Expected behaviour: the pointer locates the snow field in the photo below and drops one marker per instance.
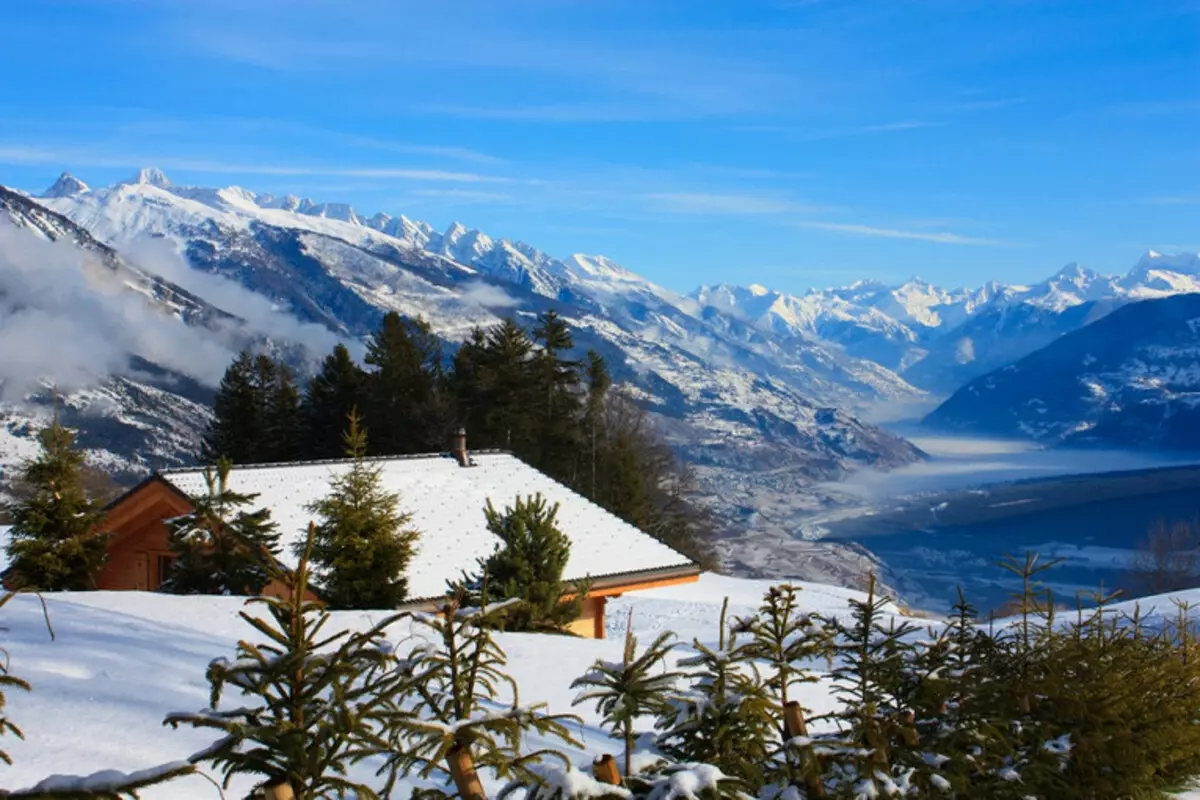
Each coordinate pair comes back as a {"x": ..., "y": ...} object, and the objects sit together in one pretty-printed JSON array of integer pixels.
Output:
[{"x": 122, "y": 660}]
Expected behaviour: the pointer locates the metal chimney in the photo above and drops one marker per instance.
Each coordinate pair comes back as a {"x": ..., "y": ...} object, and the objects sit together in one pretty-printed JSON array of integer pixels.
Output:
[{"x": 458, "y": 447}]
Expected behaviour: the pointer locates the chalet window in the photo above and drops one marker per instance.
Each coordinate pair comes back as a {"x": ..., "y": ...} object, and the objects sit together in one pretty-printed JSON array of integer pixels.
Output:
[{"x": 164, "y": 567}]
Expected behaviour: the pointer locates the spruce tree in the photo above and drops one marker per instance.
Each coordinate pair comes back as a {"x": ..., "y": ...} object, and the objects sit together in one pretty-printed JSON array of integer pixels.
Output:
[
  {"x": 510, "y": 418},
  {"x": 557, "y": 380},
  {"x": 221, "y": 549},
  {"x": 320, "y": 703},
  {"x": 726, "y": 718},
  {"x": 284, "y": 431},
  {"x": 403, "y": 393},
  {"x": 528, "y": 565},
  {"x": 637, "y": 687},
  {"x": 236, "y": 427},
  {"x": 599, "y": 381},
  {"x": 52, "y": 544},
  {"x": 335, "y": 391},
  {"x": 363, "y": 542},
  {"x": 467, "y": 713}
]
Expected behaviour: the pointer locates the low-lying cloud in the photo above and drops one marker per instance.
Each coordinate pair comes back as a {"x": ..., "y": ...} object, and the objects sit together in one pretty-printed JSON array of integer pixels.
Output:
[
  {"x": 65, "y": 317},
  {"x": 259, "y": 314}
]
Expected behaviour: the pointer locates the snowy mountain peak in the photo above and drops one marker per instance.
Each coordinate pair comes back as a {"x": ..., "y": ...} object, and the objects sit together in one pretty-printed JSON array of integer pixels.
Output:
[
  {"x": 66, "y": 185},
  {"x": 151, "y": 176},
  {"x": 1187, "y": 263}
]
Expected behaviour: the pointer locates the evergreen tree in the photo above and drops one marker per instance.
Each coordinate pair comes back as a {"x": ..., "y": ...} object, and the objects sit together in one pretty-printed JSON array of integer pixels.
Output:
[
  {"x": 557, "y": 382},
  {"x": 635, "y": 688},
  {"x": 726, "y": 719},
  {"x": 404, "y": 404},
  {"x": 528, "y": 565},
  {"x": 870, "y": 659},
  {"x": 506, "y": 381},
  {"x": 220, "y": 548},
  {"x": 468, "y": 713},
  {"x": 283, "y": 434},
  {"x": 363, "y": 544},
  {"x": 322, "y": 702},
  {"x": 468, "y": 386},
  {"x": 331, "y": 395},
  {"x": 599, "y": 381},
  {"x": 52, "y": 545},
  {"x": 237, "y": 423}
]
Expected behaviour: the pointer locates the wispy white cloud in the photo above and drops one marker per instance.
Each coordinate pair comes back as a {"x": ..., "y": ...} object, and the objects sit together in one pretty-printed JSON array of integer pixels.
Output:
[
  {"x": 466, "y": 195},
  {"x": 904, "y": 125},
  {"x": 737, "y": 204},
  {"x": 895, "y": 233},
  {"x": 23, "y": 154},
  {"x": 988, "y": 105},
  {"x": 1173, "y": 200}
]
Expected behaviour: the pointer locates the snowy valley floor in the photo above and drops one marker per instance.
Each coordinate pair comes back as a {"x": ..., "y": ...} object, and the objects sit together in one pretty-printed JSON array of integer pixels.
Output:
[{"x": 122, "y": 660}]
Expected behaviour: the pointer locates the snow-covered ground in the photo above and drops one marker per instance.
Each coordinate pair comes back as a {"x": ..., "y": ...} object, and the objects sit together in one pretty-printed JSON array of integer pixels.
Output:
[{"x": 122, "y": 660}]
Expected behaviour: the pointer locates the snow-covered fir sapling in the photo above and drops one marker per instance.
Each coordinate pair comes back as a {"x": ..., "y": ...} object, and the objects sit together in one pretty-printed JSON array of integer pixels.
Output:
[
  {"x": 870, "y": 661},
  {"x": 788, "y": 641},
  {"x": 727, "y": 717},
  {"x": 320, "y": 702},
  {"x": 637, "y": 687},
  {"x": 221, "y": 548},
  {"x": 466, "y": 713}
]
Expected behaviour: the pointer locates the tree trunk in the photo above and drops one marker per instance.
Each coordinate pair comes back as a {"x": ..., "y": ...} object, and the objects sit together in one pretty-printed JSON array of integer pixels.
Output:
[
  {"x": 605, "y": 770},
  {"x": 462, "y": 770},
  {"x": 278, "y": 791}
]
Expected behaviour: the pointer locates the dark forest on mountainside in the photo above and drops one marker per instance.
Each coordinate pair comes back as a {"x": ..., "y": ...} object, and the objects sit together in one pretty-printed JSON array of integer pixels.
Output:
[{"x": 511, "y": 389}]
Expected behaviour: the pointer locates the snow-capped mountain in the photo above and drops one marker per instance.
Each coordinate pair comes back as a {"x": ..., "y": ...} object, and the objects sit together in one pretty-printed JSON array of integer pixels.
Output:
[
  {"x": 1130, "y": 379},
  {"x": 733, "y": 398},
  {"x": 939, "y": 339}
]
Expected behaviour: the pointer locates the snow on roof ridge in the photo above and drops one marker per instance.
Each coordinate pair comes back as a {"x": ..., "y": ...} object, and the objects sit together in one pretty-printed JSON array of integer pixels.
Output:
[{"x": 318, "y": 461}]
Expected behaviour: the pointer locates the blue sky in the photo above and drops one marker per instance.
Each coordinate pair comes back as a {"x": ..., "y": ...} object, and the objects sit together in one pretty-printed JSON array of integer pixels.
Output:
[{"x": 794, "y": 143}]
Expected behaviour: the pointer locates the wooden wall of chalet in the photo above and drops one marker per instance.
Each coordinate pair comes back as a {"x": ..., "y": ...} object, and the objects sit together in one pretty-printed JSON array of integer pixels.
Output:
[{"x": 137, "y": 552}]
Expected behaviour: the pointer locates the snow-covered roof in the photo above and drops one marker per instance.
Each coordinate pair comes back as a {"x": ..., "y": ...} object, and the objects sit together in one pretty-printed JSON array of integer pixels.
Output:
[{"x": 446, "y": 502}]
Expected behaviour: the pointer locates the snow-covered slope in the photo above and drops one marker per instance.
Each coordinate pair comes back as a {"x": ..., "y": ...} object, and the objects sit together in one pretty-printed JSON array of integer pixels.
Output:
[
  {"x": 734, "y": 397},
  {"x": 938, "y": 339},
  {"x": 1131, "y": 379},
  {"x": 121, "y": 661}
]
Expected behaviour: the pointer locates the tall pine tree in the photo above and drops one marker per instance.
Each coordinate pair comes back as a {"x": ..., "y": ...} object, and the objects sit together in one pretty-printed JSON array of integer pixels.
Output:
[
  {"x": 283, "y": 429},
  {"x": 220, "y": 548},
  {"x": 52, "y": 545},
  {"x": 332, "y": 394},
  {"x": 557, "y": 380},
  {"x": 236, "y": 429},
  {"x": 405, "y": 408},
  {"x": 363, "y": 543}
]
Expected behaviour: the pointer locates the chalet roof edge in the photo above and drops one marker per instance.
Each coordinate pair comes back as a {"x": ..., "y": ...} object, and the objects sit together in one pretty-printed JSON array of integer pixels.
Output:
[{"x": 166, "y": 473}]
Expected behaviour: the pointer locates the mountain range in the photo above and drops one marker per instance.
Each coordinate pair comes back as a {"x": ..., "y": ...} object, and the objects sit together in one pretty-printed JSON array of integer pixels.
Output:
[
  {"x": 134, "y": 297},
  {"x": 1130, "y": 380},
  {"x": 220, "y": 269}
]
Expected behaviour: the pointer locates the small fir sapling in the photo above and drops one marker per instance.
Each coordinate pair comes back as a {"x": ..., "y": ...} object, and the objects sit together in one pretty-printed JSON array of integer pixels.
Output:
[
  {"x": 465, "y": 712},
  {"x": 324, "y": 701},
  {"x": 726, "y": 718},
  {"x": 788, "y": 641},
  {"x": 636, "y": 687},
  {"x": 221, "y": 548},
  {"x": 870, "y": 659}
]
